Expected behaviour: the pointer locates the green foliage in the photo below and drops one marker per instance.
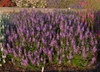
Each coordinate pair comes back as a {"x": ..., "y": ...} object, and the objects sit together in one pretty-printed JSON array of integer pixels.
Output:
[
  {"x": 77, "y": 61},
  {"x": 60, "y": 3},
  {"x": 30, "y": 3}
]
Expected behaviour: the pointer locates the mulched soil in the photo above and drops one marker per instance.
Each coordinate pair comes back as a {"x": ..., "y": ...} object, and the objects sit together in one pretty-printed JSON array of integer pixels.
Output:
[{"x": 8, "y": 67}]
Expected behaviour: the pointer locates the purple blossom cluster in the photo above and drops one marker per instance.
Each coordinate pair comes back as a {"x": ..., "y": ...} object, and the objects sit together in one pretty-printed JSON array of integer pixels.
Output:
[{"x": 38, "y": 38}]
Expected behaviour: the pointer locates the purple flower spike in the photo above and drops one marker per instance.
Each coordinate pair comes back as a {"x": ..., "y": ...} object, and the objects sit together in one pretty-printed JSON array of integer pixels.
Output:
[{"x": 94, "y": 49}]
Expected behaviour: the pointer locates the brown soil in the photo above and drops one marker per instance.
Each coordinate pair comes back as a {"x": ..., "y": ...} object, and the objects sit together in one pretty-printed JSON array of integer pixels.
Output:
[{"x": 8, "y": 67}]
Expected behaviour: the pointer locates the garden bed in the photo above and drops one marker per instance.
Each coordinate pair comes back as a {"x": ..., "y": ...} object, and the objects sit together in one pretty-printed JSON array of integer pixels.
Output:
[
  {"x": 8, "y": 66},
  {"x": 70, "y": 43}
]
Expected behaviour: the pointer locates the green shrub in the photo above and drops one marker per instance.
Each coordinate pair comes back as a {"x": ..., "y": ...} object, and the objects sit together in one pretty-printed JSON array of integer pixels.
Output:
[
  {"x": 60, "y": 3},
  {"x": 30, "y": 3}
]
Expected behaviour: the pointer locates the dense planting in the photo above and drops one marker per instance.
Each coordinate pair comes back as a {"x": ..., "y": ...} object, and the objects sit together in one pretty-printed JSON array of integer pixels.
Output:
[
  {"x": 36, "y": 39},
  {"x": 30, "y": 3}
]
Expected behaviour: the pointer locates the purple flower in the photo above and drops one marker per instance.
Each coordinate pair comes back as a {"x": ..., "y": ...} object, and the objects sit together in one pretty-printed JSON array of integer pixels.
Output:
[
  {"x": 8, "y": 48},
  {"x": 78, "y": 29},
  {"x": 81, "y": 36},
  {"x": 69, "y": 61},
  {"x": 82, "y": 28},
  {"x": 15, "y": 36},
  {"x": 45, "y": 50},
  {"x": 67, "y": 43},
  {"x": 23, "y": 44},
  {"x": 70, "y": 56},
  {"x": 94, "y": 49},
  {"x": 60, "y": 61},
  {"x": 83, "y": 52},
  {"x": 14, "y": 52},
  {"x": 61, "y": 26},
  {"x": 93, "y": 60},
  {"x": 19, "y": 51},
  {"x": 10, "y": 39},
  {"x": 43, "y": 41},
  {"x": 73, "y": 41},
  {"x": 33, "y": 39},
  {"x": 37, "y": 63},
  {"x": 57, "y": 46},
  {"x": 82, "y": 43},
  {"x": 63, "y": 56},
  {"x": 50, "y": 27},
  {"x": 96, "y": 42},
  {"x": 29, "y": 55},
  {"x": 5, "y": 51},
  {"x": 71, "y": 29},
  {"x": 75, "y": 49},
  {"x": 44, "y": 29},
  {"x": 92, "y": 42},
  {"x": 7, "y": 32},
  {"x": 44, "y": 61},
  {"x": 29, "y": 40},
  {"x": 24, "y": 61},
  {"x": 52, "y": 42},
  {"x": 38, "y": 44},
  {"x": 58, "y": 52},
  {"x": 41, "y": 59}
]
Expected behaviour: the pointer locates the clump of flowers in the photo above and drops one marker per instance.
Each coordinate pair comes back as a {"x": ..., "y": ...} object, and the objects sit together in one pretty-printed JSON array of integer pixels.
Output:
[
  {"x": 6, "y": 3},
  {"x": 30, "y": 3},
  {"x": 90, "y": 4},
  {"x": 87, "y": 16},
  {"x": 2, "y": 33},
  {"x": 36, "y": 39}
]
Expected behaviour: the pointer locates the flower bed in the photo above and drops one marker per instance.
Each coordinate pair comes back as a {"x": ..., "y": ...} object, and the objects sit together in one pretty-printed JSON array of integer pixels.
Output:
[{"x": 34, "y": 40}]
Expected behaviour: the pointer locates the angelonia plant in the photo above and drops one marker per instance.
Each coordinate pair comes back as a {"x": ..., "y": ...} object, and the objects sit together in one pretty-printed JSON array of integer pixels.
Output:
[
  {"x": 35, "y": 39},
  {"x": 30, "y": 3}
]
